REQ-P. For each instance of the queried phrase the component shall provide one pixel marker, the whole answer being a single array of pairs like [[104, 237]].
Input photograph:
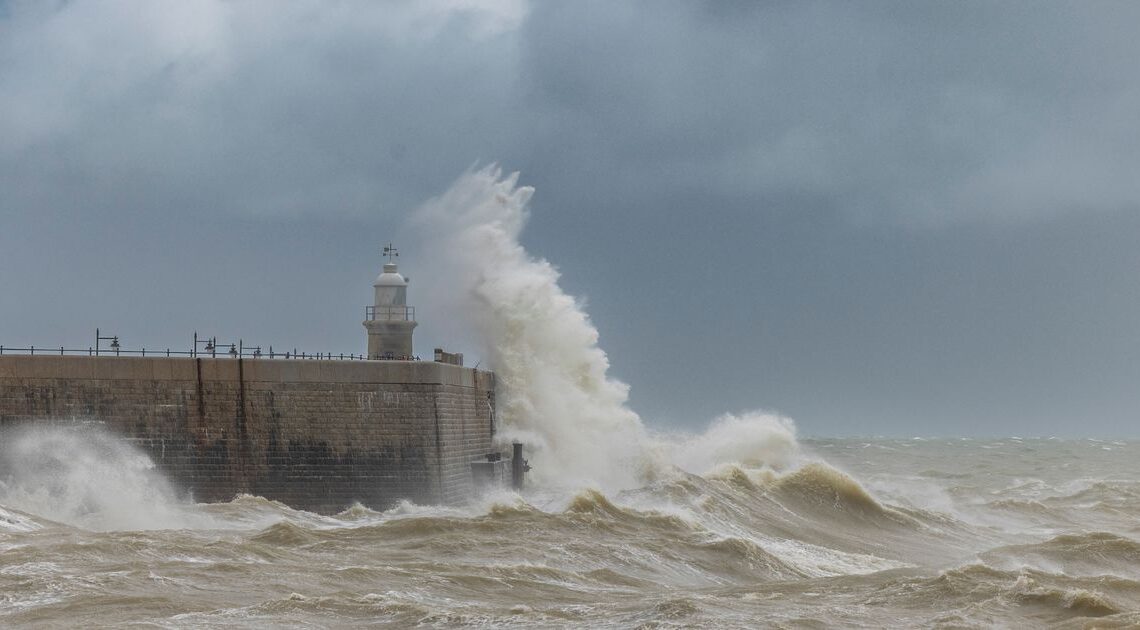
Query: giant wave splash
[[555, 390]]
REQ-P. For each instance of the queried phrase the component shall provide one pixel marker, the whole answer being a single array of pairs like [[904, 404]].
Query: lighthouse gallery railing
[[390, 313]]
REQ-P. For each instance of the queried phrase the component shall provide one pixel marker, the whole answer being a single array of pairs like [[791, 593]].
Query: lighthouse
[[390, 320]]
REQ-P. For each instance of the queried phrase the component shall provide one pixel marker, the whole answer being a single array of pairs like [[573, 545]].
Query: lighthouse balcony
[[390, 313]]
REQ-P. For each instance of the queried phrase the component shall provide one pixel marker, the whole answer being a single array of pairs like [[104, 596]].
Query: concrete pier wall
[[317, 435]]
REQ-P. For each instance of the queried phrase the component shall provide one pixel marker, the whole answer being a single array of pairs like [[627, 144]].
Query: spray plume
[[554, 391], [84, 476]]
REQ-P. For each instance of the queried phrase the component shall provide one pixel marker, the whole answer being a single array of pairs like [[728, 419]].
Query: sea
[[859, 533], [737, 523]]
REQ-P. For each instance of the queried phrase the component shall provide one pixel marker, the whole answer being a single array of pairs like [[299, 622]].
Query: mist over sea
[[743, 524]]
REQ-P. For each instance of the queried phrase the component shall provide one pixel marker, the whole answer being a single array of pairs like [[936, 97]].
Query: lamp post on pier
[[211, 345], [114, 342]]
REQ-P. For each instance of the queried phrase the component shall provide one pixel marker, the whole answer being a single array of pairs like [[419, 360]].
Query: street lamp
[[114, 342], [198, 342], [211, 346], [242, 348]]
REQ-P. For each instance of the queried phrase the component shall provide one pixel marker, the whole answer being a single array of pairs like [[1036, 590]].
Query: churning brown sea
[[858, 533]]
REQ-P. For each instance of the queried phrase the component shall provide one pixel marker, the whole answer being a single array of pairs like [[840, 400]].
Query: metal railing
[[390, 313], [233, 352]]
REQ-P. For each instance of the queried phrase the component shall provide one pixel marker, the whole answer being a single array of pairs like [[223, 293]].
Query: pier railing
[[233, 351]]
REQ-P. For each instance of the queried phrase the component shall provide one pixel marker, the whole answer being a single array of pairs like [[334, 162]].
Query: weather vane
[[390, 252]]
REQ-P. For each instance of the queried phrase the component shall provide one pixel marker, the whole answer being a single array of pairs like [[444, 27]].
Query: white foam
[[12, 522], [83, 476], [554, 392], [753, 440]]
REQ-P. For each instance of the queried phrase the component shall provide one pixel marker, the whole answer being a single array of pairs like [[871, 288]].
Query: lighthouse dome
[[390, 288], [390, 277]]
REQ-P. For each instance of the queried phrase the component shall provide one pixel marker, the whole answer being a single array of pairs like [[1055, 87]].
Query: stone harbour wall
[[316, 435]]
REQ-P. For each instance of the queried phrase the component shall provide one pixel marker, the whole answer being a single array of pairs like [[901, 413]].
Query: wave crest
[[823, 485]]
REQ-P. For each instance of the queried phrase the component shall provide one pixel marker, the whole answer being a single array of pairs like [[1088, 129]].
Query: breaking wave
[[555, 393], [818, 484], [83, 476]]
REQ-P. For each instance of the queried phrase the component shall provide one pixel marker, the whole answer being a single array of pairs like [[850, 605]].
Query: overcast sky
[[909, 218]]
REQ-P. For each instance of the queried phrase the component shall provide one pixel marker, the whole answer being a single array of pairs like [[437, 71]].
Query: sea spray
[[753, 439], [554, 390], [83, 476]]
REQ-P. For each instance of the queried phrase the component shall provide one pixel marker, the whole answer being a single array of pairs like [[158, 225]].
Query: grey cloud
[[871, 216], [889, 111], [913, 113], [282, 110]]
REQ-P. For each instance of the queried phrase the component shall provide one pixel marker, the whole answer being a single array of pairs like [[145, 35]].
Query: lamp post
[[114, 342], [211, 346], [242, 348]]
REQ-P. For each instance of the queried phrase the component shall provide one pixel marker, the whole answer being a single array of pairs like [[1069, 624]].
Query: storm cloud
[[874, 217]]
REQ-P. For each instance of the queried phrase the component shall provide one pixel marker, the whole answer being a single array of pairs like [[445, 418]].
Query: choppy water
[[854, 533]]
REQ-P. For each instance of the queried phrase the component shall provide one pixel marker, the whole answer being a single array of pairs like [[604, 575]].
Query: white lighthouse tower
[[390, 320]]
